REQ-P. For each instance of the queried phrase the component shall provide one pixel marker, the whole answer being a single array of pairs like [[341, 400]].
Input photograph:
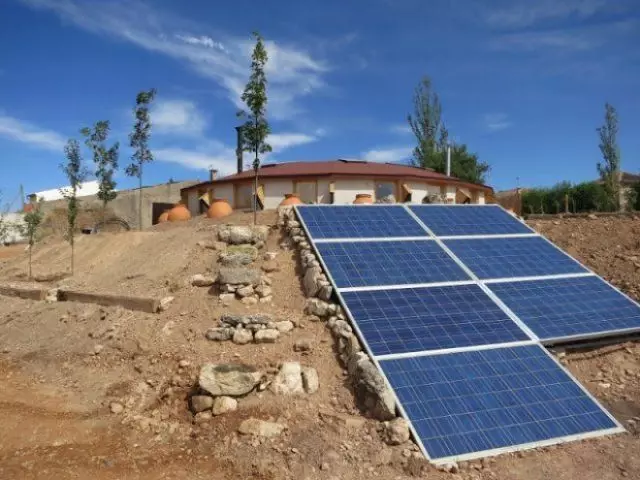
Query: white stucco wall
[[481, 198], [418, 191], [346, 190], [274, 191], [451, 194], [224, 191], [324, 196]]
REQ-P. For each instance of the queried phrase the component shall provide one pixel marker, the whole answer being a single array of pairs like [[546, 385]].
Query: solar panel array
[[454, 303]]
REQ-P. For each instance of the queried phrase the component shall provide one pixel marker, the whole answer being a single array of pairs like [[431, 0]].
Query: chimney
[[213, 174], [448, 160], [239, 148]]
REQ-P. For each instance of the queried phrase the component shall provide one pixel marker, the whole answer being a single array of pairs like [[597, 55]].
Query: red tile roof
[[344, 168]]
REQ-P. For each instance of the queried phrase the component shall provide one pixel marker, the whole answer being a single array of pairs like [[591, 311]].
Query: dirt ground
[[55, 391]]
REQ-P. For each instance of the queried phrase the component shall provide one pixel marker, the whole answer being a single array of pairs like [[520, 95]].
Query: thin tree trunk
[[72, 254], [255, 200], [104, 215], [140, 199], [30, 249]]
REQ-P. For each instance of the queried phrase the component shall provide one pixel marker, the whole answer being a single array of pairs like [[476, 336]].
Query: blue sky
[[522, 83]]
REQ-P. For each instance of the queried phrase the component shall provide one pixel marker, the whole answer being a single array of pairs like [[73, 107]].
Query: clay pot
[[219, 208], [290, 199], [362, 198], [164, 217], [179, 213]]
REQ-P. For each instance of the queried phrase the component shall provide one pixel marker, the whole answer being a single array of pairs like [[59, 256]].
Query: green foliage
[[106, 159], [583, 197], [433, 137], [633, 197], [32, 221], [139, 141], [76, 174], [609, 169]]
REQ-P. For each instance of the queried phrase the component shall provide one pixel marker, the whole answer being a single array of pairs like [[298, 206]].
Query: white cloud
[[282, 141], [31, 135], [401, 128], [292, 72], [494, 122], [215, 156], [552, 40], [388, 155], [178, 117], [527, 13]]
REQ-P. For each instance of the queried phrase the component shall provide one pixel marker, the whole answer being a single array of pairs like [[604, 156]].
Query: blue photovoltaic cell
[[567, 307], [473, 401], [360, 221], [429, 318], [358, 264], [468, 220], [512, 257]]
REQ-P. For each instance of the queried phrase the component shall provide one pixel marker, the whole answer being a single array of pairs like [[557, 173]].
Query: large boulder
[[239, 275], [229, 379], [288, 381], [310, 281], [372, 393]]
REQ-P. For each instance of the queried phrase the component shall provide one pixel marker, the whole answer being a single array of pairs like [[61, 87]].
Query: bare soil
[[55, 391]]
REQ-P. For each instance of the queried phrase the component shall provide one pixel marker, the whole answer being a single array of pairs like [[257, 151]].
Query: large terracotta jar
[[164, 217], [179, 213], [290, 199], [363, 198], [219, 208]]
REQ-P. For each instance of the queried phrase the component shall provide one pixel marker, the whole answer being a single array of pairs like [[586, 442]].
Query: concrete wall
[[346, 190], [274, 191], [125, 206], [14, 223], [324, 196], [224, 191]]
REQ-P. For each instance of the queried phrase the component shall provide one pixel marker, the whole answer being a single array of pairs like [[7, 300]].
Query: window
[[384, 189], [307, 192], [244, 195]]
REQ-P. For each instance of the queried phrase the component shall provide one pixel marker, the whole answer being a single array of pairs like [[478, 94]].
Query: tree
[[106, 160], [32, 220], [609, 169], [256, 128], [139, 141], [432, 138], [76, 174]]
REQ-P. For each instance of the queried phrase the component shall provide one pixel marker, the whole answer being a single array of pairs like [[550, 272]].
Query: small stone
[[288, 381], [219, 334], [164, 303], [270, 266], [249, 300], [199, 280], [223, 405], [310, 381], [324, 466], [266, 335], [396, 432], [284, 326], [263, 291], [200, 403], [116, 407], [242, 336], [260, 428], [203, 417], [266, 299], [270, 255], [97, 349], [184, 363], [245, 291], [302, 345], [449, 467], [227, 298]]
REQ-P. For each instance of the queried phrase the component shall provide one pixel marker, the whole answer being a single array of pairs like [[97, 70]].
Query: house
[[331, 182]]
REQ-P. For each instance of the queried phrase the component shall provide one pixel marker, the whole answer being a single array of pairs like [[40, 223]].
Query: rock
[[200, 403], [227, 298], [231, 379], [245, 291], [184, 363], [223, 405], [314, 318], [52, 295], [199, 280], [310, 281], [266, 280], [234, 259], [97, 349], [270, 266], [449, 467], [341, 328], [219, 334], [270, 255], [266, 299], [315, 306], [288, 381], [242, 336], [116, 407], [284, 326], [310, 380], [203, 417], [396, 432], [260, 428], [302, 345], [263, 291], [164, 303], [239, 275], [370, 389], [211, 245], [249, 300], [235, 234], [235, 319], [266, 335]]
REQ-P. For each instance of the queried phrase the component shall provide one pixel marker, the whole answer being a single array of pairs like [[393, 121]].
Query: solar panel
[[359, 221], [569, 307], [445, 220], [512, 257], [429, 318], [466, 404], [372, 263]]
